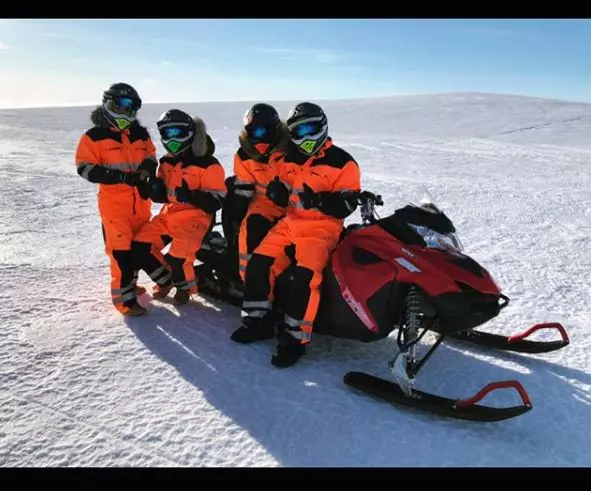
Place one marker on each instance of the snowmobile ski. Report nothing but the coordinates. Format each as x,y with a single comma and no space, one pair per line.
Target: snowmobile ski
466,409
516,342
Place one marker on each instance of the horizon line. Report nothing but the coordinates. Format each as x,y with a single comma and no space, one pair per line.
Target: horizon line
323,99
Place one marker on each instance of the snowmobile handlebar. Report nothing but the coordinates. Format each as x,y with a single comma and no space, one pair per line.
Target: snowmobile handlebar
369,198
368,201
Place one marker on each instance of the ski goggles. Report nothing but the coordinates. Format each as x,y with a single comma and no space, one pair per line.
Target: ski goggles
175,132
307,129
123,105
260,133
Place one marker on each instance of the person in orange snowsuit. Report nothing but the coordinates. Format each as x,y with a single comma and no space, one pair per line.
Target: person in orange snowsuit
118,153
262,140
322,182
190,183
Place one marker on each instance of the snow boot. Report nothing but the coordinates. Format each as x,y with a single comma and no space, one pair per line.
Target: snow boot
289,349
161,292
181,297
254,329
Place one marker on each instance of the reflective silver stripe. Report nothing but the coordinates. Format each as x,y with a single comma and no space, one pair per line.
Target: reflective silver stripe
242,267
216,192
245,256
257,304
244,192
295,328
171,192
301,335
192,283
253,313
86,168
291,322
239,182
129,296
126,166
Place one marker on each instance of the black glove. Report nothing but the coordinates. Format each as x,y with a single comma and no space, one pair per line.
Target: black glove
278,193
198,198
130,178
149,165
309,198
183,193
154,189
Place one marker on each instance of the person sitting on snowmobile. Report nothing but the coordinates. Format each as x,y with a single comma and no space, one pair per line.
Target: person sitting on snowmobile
248,213
190,181
118,153
325,182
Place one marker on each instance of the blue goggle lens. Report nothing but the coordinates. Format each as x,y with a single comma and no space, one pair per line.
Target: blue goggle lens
306,129
172,132
125,102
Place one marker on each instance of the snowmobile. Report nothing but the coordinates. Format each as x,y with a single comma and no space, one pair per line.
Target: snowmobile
408,273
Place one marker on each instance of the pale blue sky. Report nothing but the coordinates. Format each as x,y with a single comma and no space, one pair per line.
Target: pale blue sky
66,62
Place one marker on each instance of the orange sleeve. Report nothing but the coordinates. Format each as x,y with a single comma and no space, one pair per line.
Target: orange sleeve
241,171
207,186
88,160
213,180
87,152
349,179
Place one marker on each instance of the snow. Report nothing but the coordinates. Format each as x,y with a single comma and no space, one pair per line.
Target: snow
82,386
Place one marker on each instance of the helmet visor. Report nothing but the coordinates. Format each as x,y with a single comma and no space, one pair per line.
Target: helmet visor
261,134
174,132
125,106
309,129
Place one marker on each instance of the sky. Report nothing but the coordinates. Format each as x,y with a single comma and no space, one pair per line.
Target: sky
55,62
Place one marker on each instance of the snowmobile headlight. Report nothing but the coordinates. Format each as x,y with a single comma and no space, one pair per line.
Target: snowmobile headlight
437,240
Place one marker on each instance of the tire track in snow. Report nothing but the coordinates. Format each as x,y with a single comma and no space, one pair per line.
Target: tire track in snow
541,125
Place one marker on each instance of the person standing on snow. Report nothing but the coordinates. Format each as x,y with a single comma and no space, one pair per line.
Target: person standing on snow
190,181
117,153
263,140
324,182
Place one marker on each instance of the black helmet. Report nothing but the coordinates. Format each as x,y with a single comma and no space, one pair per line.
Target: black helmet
177,130
121,103
308,127
261,124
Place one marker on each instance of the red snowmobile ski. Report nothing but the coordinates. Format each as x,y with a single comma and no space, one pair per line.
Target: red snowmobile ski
407,273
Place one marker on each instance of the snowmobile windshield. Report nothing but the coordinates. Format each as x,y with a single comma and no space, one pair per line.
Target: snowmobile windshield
436,240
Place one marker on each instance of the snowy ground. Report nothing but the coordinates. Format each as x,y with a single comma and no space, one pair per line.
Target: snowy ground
81,386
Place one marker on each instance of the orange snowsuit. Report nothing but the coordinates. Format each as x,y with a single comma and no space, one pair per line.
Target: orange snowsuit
254,172
192,187
114,159
324,191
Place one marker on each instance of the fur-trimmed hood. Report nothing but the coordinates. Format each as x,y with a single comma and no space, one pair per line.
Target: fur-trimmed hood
202,144
283,145
98,119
